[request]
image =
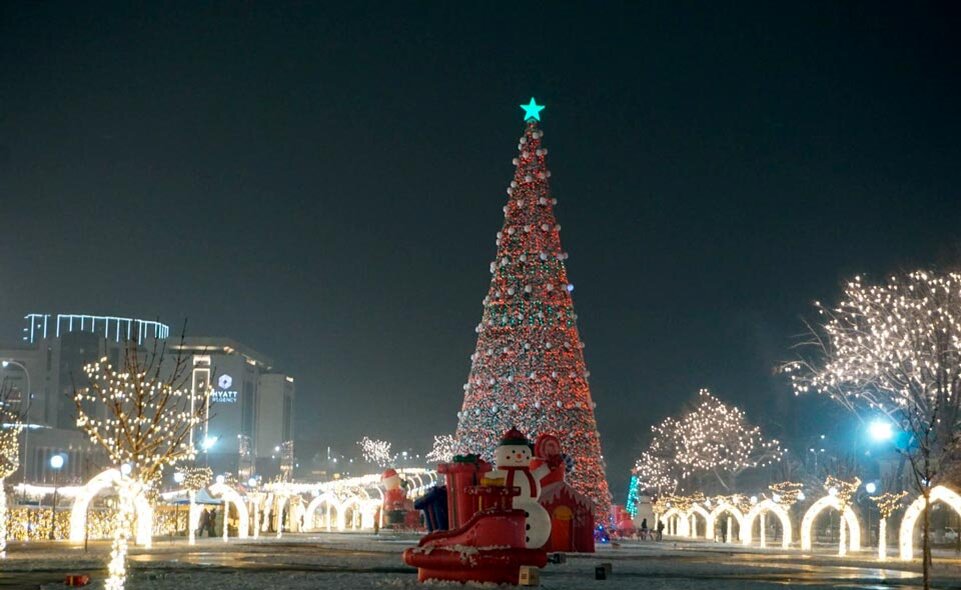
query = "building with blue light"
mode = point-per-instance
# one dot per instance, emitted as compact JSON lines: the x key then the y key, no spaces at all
{"x":45,"y":369}
{"x":249,"y":430}
{"x":250,"y":426}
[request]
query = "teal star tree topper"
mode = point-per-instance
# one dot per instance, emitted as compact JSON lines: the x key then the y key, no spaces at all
{"x":532,"y":110}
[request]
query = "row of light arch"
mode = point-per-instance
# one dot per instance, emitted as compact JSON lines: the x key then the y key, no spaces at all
{"x":683,"y":524}
{"x":360,"y":496}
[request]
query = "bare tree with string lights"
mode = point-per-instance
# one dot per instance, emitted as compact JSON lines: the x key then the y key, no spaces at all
{"x":892,"y":350}
{"x":11,"y":424}
{"x":148,"y":412}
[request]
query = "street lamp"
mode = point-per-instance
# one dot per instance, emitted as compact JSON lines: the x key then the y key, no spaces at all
{"x":26,"y":431}
{"x":880,"y":430}
{"x":870,"y":487}
{"x":56,"y":462}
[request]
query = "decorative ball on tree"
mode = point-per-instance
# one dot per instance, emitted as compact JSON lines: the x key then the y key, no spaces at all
{"x":528,"y":367}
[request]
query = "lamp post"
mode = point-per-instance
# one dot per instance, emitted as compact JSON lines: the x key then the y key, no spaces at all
{"x":26,"y":431}
{"x":870,"y":488}
{"x":56,"y":462}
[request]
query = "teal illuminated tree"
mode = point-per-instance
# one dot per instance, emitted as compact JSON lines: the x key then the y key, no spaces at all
{"x":528,"y":368}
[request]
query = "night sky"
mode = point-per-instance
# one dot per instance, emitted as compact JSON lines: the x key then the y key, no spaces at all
{"x":325,"y":185}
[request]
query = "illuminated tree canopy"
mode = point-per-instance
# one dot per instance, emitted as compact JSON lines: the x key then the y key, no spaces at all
{"x":893,"y":351}
{"x":710,"y":439}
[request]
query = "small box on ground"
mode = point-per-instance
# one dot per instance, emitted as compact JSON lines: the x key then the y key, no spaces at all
{"x":602,"y":572}
{"x":557,"y":558}
{"x":76,"y":580}
{"x":529,"y":576}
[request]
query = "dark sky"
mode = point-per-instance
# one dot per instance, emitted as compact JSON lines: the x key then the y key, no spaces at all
{"x":325,"y":184}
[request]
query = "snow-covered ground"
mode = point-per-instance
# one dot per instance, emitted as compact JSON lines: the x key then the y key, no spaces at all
{"x":362,"y":561}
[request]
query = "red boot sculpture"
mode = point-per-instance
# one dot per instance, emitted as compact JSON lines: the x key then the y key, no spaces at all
{"x":496,"y":522}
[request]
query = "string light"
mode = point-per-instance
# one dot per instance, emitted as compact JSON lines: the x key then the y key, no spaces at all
{"x":786,"y":493}
{"x":376,"y":451}
{"x":888,"y":503}
{"x":444,"y":449}
{"x":528,"y":369}
{"x":712,"y":438}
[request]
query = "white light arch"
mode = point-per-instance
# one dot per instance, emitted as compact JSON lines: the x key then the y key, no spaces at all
{"x":356,"y":504}
{"x":914,"y":511}
{"x":850,"y":521}
{"x":333,"y":504}
{"x":720,"y":509}
{"x":675,"y":525}
{"x":703,"y":513}
{"x":231,"y":496}
{"x":767,"y":505}
{"x":108,"y":479}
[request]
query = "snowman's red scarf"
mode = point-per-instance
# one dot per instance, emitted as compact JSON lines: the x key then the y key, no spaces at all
{"x":512,"y":471}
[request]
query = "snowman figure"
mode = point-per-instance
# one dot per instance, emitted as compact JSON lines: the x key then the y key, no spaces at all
{"x":512,"y":458}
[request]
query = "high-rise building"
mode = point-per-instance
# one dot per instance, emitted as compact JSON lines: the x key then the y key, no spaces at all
{"x":250,"y":410}
{"x":45,"y":370}
{"x":250,"y":414}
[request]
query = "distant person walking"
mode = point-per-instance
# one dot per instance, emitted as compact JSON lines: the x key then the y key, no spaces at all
{"x":204,"y":521}
{"x":660,"y":530}
{"x":212,"y":522}
{"x":644,"y":530}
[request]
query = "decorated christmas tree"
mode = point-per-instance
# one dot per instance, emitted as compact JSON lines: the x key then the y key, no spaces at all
{"x":528,"y":370}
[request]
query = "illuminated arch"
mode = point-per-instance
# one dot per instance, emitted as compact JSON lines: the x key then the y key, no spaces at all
{"x":333,"y":504}
{"x":280,"y":500}
{"x":109,"y":479}
{"x":761,"y":507}
{"x":231,"y":496}
{"x":703,"y":513}
{"x":720,"y":509}
{"x":850,"y":519}
{"x":914,"y":511}
{"x":357,"y":504}
{"x":673,"y":522}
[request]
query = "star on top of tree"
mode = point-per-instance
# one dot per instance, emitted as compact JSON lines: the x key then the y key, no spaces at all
{"x":532,"y":110}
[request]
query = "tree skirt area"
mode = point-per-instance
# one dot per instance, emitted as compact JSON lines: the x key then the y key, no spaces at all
{"x":359,"y":561}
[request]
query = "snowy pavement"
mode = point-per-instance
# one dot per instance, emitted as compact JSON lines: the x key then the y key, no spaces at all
{"x":363,"y":561}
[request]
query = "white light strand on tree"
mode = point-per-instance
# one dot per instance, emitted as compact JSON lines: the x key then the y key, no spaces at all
{"x":11,"y":424}
{"x":142,"y":416}
{"x":713,"y":438}
{"x":444,"y":449}
{"x":376,"y":451}
{"x":894,"y":350}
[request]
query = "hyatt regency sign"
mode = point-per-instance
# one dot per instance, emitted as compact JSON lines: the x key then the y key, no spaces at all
{"x":224,"y":393}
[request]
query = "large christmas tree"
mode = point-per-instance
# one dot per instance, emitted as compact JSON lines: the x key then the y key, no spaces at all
{"x":528,"y":369}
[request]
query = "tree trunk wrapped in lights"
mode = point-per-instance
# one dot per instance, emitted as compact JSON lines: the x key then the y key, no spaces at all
{"x":142,"y":414}
{"x":528,"y":369}
{"x":888,"y":503}
{"x":11,"y":424}
{"x":844,"y":491}
{"x":195,"y":479}
{"x":892,"y":351}
{"x":9,"y":463}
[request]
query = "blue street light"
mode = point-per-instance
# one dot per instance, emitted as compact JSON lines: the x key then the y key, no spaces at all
{"x":880,"y":430}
